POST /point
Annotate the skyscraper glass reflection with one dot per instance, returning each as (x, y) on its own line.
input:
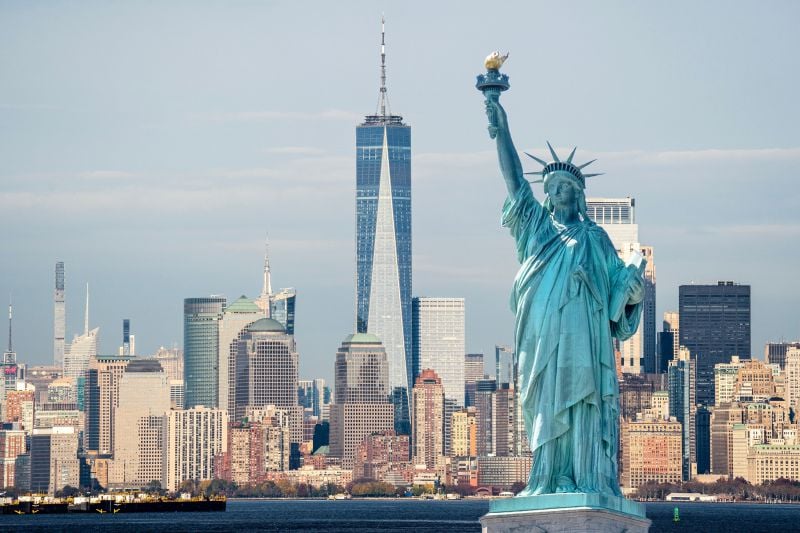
(383, 241)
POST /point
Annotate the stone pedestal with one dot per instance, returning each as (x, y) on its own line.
(557, 513)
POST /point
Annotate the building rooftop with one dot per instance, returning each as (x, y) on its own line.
(266, 325)
(243, 305)
(144, 365)
(362, 338)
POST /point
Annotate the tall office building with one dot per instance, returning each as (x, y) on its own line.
(140, 424)
(714, 325)
(266, 373)
(59, 317)
(484, 407)
(428, 408)
(282, 305)
(683, 406)
(362, 395)
(617, 216)
(201, 318)
(101, 398)
(232, 327)
(439, 345)
(504, 365)
(383, 241)
(82, 348)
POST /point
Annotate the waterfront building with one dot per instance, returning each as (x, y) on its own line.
(383, 241)
(13, 443)
(232, 327)
(362, 395)
(195, 437)
(503, 472)
(380, 455)
(54, 459)
(651, 451)
(82, 348)
(140, 426)
(714, 325)
(464, 433)
(59, 318)
(256, 446)
(201, 318)
(769, 462)
(428, 419)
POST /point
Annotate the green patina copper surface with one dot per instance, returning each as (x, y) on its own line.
(572, 297)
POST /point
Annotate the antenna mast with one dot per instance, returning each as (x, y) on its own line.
(383, 66)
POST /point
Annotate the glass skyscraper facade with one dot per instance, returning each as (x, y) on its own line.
(383, 244)
(201, 318)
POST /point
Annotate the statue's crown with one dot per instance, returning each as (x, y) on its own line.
(557, 165)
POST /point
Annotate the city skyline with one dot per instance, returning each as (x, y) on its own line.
(122, 190)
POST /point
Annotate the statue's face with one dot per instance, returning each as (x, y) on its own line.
(562, 192)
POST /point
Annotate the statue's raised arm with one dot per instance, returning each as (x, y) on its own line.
(491, 85)
(510, 165)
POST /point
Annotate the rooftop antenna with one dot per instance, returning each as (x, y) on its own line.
(10, 348)
(266, 289)
(383, 97)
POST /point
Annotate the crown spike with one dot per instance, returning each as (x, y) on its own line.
(540, 173)
(593, 175)
(541, 162)
(587, 164)
(553, 152)
(536, 181)
(569, 159)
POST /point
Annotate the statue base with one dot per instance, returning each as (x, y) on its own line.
(556, 513)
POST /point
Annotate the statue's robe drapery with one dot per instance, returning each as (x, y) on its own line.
(569, 281)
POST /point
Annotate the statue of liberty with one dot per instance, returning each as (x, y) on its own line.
(572, 296)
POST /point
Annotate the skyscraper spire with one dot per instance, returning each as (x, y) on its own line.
(266, 289)
(86, 316)
(383, 97)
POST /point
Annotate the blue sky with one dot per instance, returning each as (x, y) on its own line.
(152, 146)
